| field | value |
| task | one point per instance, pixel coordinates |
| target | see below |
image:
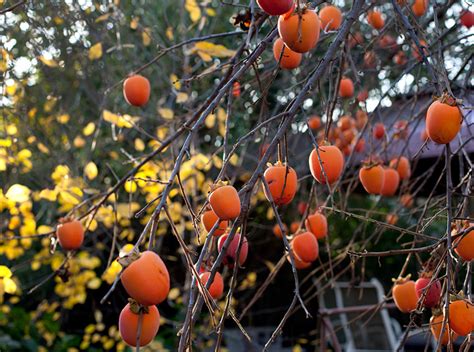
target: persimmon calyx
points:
(129, 258)
(136, 307)
(401, 280)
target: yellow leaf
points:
(11, 88)
(18, 193)
(146, 37)
(68, 198)
(9, 285)
(130, 186)
(48, 62)
(175, 81)
(181, 97)
(139, 144)
(43, 149)
(211, 12)
(94, 283)
(166, 113)
(89, 129)
(169, 33)
(207, 50)
(48, 194)
(193, 9)
(102, 18)
(125, 121)
(64, 118)
(58, 20)
(234, 160)
(5, 272)
(11, 130)
(174, 293)
(95, 51)
(210, 121)
(91, 171)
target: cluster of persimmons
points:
(145, 276)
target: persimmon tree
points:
(163, 165)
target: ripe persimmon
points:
(331, 18)
(390, 182)
(361, 119)
(300, 32)
(332, 161)
(317, 224)
(402, 165)
(70, 234)
(436, 324)
(433, 291)
(217, 285)
(302, 206)
(443, 120)
(400, 58)
(230, 256)
(419, 7)
(346, 88)
(128, 324)
(407, 200)
(360, 145)
(464, 245)
(294, 226)
(370, 59)
(282, 182)
(225, 202)
(275, 7)
(363, 95)
(372, 178)
(391, 219)
(416, 52)
(299, 264)
(314, 122)
(136, 90)
(305, 247)
(209, 219)
(236, 89)
(404, 294)
(467, 19)
(146, 279)
(379, 130)
(284, 56)
(277, 230)
(345, 122)
(461, 317)
(375, 19)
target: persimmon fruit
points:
(461, 317)
(433, 291)
(464, 246)
(331, 18)
(146, 279)
(275, 7)
(404, 295)
(314, 122)
(128, 325)
(443, 120)
(372, 178)
(300, 32)
(230, 257)
(305, 247)
(317, 224)
(436, 324)
(419, 7)
(136, 90)
(375, 19)
(390, 182)
(402, 165)
(282, 182)
(346, 88)
(467, 19)
(70, 234)
(284, 56)
(277, 230)
(217, 285)
(209, 219)
(331, 160)
(379, 130)
(225, 202)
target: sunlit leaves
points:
(18, 193)
(95, 51)
(48, 62)
(146, 36)
(125, 121)
(89, 129)
(193, 10)
(166, 113)
(90, 170)
(208, 50)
